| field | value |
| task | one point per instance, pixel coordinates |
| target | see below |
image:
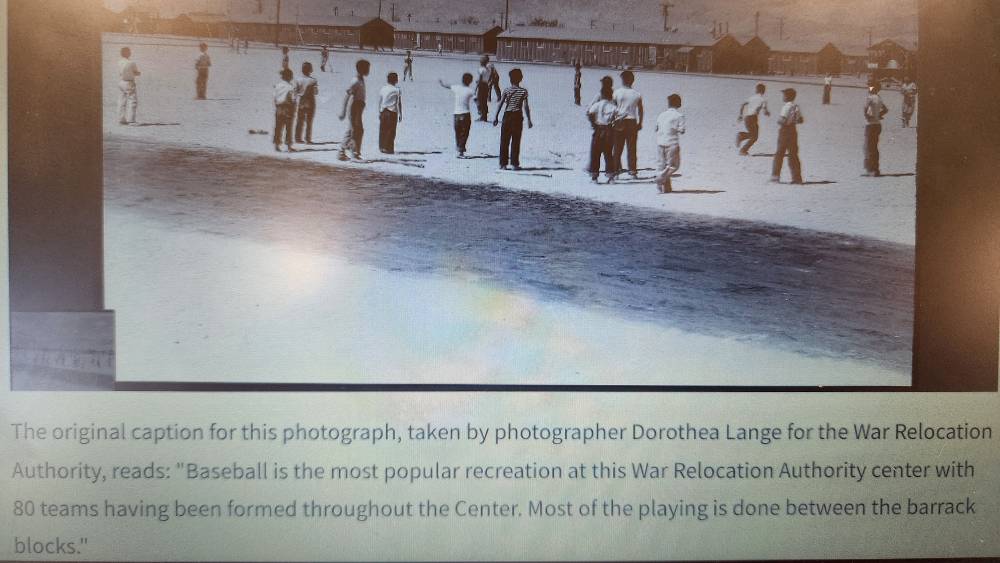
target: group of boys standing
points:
(616, 116)
(513, 101)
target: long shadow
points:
(898, 175)
(763, 154)
(153, 124)
(697, 192)
(297, 149)
(419, 152)
(542, 168)
(480, 157)
(821, 294)
(326, 143)
(818, 183)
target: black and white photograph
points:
(493, 192)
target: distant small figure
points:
(440, 50)
(390, 103)
(324, 59)
(670, 125)
(515, 102)
(355, 99)
(246, 45)
(284, 110)
(128, 95)
(602, 143)
(464, 93)
(909, 91)
(577, 82)
(827, 89)
(306, 89)
(201, 65)
(750, 116)
(408, 66)
(788, 138)
(483, 78)
(284, 59)
(875, 110)
(494, 84)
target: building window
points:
(607, 48)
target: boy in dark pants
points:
(631, 114)
(515, 99)
(284, 110)
(306, 89)
(750, 116)
(201, 65)
(875, 110)
(788, 139)
(577, 82)
(390, 103)
(354, 99)
(601, 114)
(464, 94)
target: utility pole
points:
(666, 14)
(393, 16)
(756, 24)
(277, 26)
(379, 9)
(781, 28)
(506, 24)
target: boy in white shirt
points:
(128, 96)
(631, 114)
(201, 65)
(464, 93)
(390, 104)
(750, 116)
(602, 115)
(788, 138)
(284, 110)
(670, 125)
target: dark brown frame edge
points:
(956, 332)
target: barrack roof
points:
(445, 28)
(690, 38)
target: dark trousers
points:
(304, 122)
(827, 89)
(463, 123)
(496, 89)
(408, 72)
(387, 131)
(482, 100)
(201, 83)
(627, 133)
(576, 95)
(355, 133)
(788, 143)
(602, 144)
(510, 138)
(284, 115)
(751, 135)
(872, 133)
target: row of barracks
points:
(680, 51)
(703, 53)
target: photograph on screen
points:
(528, 193)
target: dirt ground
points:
(806, 292)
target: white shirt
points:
(828, 81)
(628, 101)
(669, 127)
(484, 74)
(603, 111)
(463, 97)
(302, 86)
(127, 69)
(755, 105)
(284, 92)
(874, 109)
(388, 98)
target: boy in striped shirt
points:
(515, 100)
